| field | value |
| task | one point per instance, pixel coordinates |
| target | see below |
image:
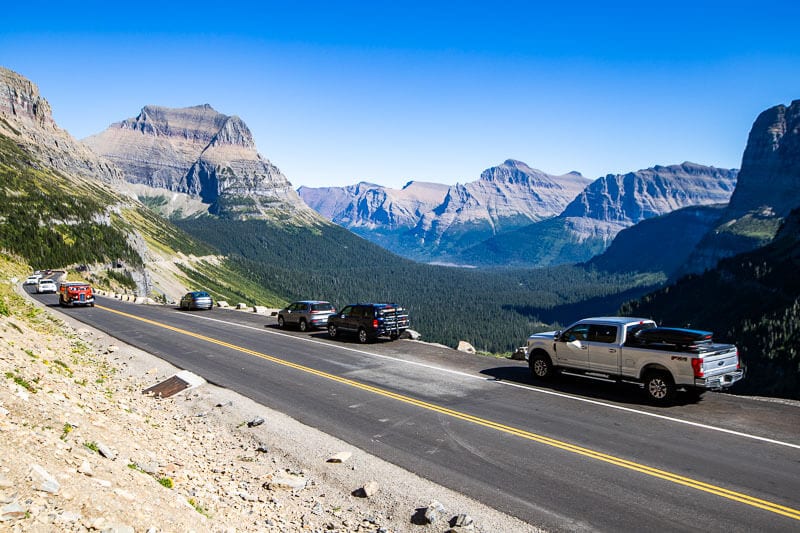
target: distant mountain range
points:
(514, 215)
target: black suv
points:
(369, 321)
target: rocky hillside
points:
(65, 207)
(202, 153)
(590, 222)
(767, 190)
(26, 117)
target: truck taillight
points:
(375, 323)
(697, 366)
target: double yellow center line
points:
(562, 445)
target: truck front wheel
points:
(540, 365)
(659, 387)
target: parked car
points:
(196, 300)
(306, 314)
(625, 349)
(46, 285)
(369, 321)
(33, 279)
(75, 293)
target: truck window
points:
(603, 333)
(576, 333)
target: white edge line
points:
(510, 384)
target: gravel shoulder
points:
(81, 448)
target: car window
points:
(576, 333)
(602, 333)
(322, 307)
(347, 311)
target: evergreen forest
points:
(494, 310)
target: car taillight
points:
(697, 366)
(738, 360)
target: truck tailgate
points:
(721, 361)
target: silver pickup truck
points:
(636, 350)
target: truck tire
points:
(363, 338)
(541, 366)
(659, 387)
(332, 331)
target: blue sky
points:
(340, 92)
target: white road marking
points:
(511, 384)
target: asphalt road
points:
(573, 455)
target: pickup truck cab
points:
(636, 350)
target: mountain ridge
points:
(205, 154)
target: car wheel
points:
(541, 366)
(659, 387)
(281, 323)
(332, 331)
(363, 338)
(303, 326)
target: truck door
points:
(604, 350)
(572, 348)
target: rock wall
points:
(26, 116)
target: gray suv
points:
(306, 314)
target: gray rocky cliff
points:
(768, 189)
(770, 175)
(204, 153)
(26, 116)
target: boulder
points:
(464, 346)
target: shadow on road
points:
(624, 393)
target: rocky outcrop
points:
(770, 175)
(26, 116)
(768, 189)
(201, 152)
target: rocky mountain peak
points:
(20, 98)
(25, 116)
(201, 152)
(770, 175)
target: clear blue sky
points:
(339, 92)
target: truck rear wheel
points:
(363, 338)
(541, 366)
(659, 387)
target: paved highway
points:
(572, 456)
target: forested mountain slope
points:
(752, 300)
